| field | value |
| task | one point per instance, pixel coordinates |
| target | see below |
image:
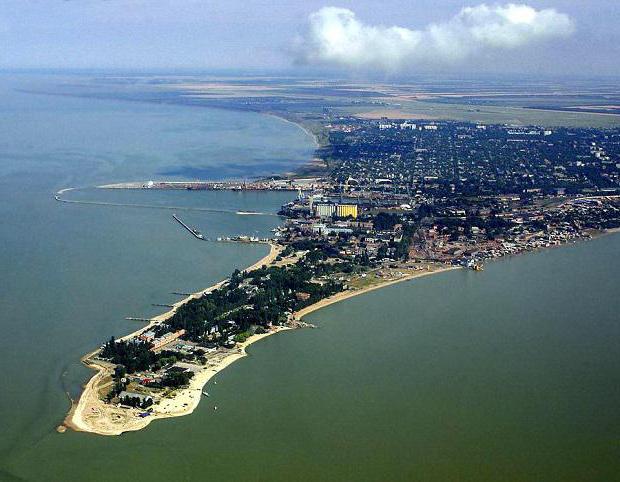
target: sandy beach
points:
(91, 414)
(311, 134)
(343, 295)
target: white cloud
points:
(335, 36)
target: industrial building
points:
(346, 210)
(325, 210)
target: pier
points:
(197, 234)
(243, 239)
(303, 184)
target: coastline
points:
(76, 418)
(343, 295)
(316, 166)
(90, 414)
(311, 134)
(80, 418)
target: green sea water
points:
(509, 374)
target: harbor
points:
(222, 239)
(307, 184)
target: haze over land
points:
(393, 36)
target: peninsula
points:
(403, 199)
(165, 367)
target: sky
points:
(388, 37)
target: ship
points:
(473, 264)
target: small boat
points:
(205, 393)
(215, 408)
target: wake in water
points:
(58, 197)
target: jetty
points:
(243, 239)
(197, 234)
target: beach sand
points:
(315, 138)
(343, 295)
(91, 414)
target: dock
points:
(131, 318)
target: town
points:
(459, 193)
(401, 198)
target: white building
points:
(324, 210)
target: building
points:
(362, 225)
(147, 336)
(346, 210)
(323, 230)
(324, 210)
(337, 230)
(319, 228)
(166, 339)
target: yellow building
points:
(346, 210)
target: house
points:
(301, 296)
(166, 339)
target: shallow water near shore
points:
(502, 375)
(508, 374)
(73, 272)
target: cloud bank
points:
(336, 37)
